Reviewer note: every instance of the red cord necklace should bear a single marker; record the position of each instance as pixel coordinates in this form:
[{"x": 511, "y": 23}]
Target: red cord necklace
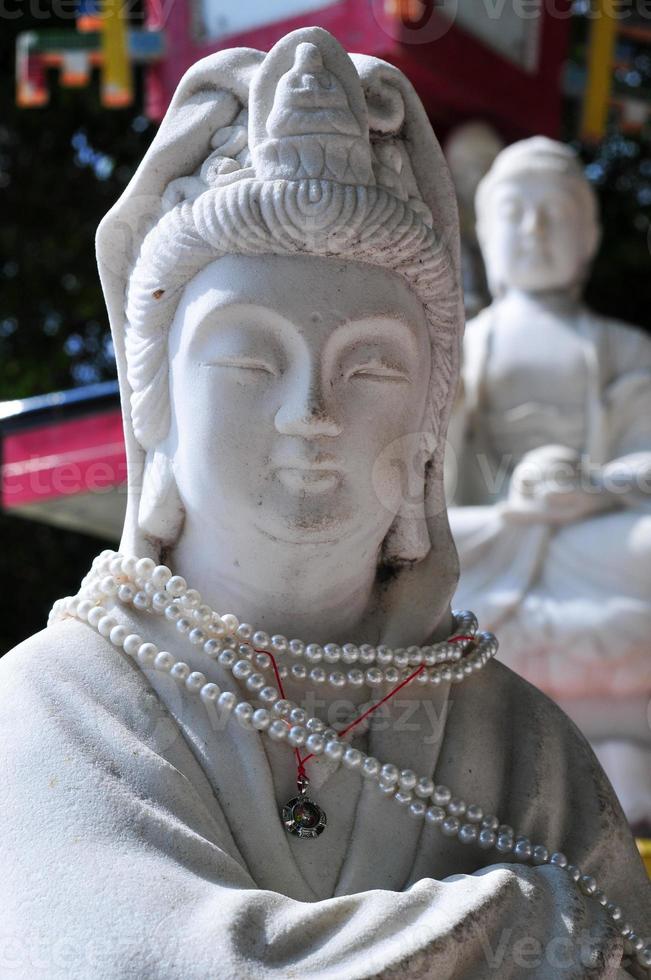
[{"x": 301, "y": 815}]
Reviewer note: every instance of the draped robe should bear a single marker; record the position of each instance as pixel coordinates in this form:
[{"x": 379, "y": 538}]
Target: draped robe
[{"x": 141, "y": 836}]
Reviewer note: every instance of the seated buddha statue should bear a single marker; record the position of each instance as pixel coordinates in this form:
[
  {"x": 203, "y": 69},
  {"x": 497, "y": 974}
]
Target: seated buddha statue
[
  {"x": 258, "y": 741},
  {"x": 554, "y": 537}
]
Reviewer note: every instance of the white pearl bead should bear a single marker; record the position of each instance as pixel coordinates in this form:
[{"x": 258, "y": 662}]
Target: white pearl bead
[
  {"x": 450, "y": 826},
  {"x": 298, "y": 716},
  {"x": 588, "y": 885},
  {"x": 243, "y": 713},
  {"x": 226, "y": 658},
  {"x": 282, "y": 707},
  {"x": 315, "y": 743},
  {"x": 392, "y": 675},
  {"x": 384, "y": 656},
  {"x": 129, "y": 566},
  {"x": 118, "y": 635},
  {"x": 417, "y": 809},
  {"x": 487, "y": 838},
  {"x": 195, "y": 681},
  {"x": 540, "y": 854},
  {"x": 255, "y": 682},
  {"x": 297, "y": 736},
  {"x": 474, "y": 813},
  {"x": 424, "y": 787},
  {"x": 353, "y": 758},
  {"x": 94, "y": 616},
  {"x": 374, "y": 677},
  {"x": 441, "y": 795},
  {"x": 468, "y": 833},
  {"x": 191, "y": 599},
  {"x": 279, "y": 643},
  {"x": 160, "y": 601},
  {"x": 147, "y": 653},
  {"x": 299, "y": 671},
  {"x": 261, "y": 640},
  {"x": 278, "y": 730},
  {"x": 356, "y": 677},
  {"x": 176, "y": 586},
  {"x": 558, "y": 859},
  {"x": 145, "y": 567},
  {"x": 161, "y": 576},
  {"x": 141, "y": 600},
  {"x": 173, "y": 611},
  {"x": 407, "y": 779},
  {"x": 226, "y": 701},
  {"x": 132, "y": 644},
  {"x": 83, "y": 609},
  {"x": 349, "y": 653},
  {"x": 212, "y": 648},
  {"x": 209, "y": 693},
  {"x": 337, "y": 679},
  {"x": 115, "y": 565},
  {"x": 180, "y": 671},
  {"x": 269, "y": 695},
  {"x": 105, "y": 625},
  {"x": 334, "y": 750},
  {"x": 523, "y": 849},
  {"x": 108, "y": 585},
  {"x": 126, "y": 593},
  {"x": 313, "y": 653},
  {"x": 371, "y": 767},
  {"x": 183, "y": 625},
  {"x": 244, "y": 631},
  {"x": 366, "y": 654},
  {"x": 196, "y": 637},
  {"x": 315, "y": 725},
  {"x": 296, "y": 648},
  {"x": 164, "y": 661},
  {"x": 403, "y": 798},
  {"x": 331, "y": 653},
  {"x": 242, "y": 669},
  {"x": 261, "y": 719},
  {"x": 389, "y": 774},
  {"x": 318, "y": 675},
  {"x": 216, "y": 626},
  {"x": 231, "y": 622},
  {"x": 435, "y": 815}
]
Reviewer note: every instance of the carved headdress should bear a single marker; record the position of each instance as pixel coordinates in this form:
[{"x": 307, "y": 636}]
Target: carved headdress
[{"x": 302, "y": 150}]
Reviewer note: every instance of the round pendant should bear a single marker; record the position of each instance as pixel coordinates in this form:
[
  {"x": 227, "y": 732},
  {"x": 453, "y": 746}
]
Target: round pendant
[{"x": 302, "y": 816}]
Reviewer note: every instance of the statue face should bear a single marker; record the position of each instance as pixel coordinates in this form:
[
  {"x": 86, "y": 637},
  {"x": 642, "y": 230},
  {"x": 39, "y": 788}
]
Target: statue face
[
  {"x": 534, "y": 233},
  {"x": 289, "y": 377}
]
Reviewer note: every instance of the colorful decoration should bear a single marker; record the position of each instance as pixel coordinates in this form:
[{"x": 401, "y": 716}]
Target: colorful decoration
[{"x": 102, "y": 40}]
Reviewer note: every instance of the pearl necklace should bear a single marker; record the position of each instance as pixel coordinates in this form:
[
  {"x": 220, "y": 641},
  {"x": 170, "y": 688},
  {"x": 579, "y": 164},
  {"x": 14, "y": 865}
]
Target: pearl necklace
[
  {"x": 153, "y": 588},
  {"x": 283, "y": 720}
]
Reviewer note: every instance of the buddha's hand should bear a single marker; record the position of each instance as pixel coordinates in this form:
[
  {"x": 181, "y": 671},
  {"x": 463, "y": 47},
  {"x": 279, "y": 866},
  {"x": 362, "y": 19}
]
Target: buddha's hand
[{"x": 552, "y": 485}]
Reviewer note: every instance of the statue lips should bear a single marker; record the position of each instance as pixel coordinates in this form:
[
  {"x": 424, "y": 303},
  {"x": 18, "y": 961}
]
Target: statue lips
[{"x": 303, "y": 476}]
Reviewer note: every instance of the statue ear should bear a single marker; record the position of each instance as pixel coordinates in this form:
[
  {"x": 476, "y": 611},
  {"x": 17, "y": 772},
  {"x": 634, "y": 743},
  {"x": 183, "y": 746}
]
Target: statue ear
[
  {"x": 160, "y": 514},
  {"x": 408, "y": 540}
]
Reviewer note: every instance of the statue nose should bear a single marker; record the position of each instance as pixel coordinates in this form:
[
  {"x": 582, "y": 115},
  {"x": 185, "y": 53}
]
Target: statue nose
[
  {"x": 533, "y": 222},
  {"x": 308, "y": 417}
]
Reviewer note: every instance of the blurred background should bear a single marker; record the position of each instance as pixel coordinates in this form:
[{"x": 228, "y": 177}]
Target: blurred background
[{"x": 83, "y": 87}]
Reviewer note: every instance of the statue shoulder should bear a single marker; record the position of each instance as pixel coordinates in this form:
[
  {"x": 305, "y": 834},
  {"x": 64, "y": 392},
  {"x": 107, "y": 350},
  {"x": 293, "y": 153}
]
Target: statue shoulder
[
  {"x": 59, "y": 684},
  {"x": 627, "y": 346}
]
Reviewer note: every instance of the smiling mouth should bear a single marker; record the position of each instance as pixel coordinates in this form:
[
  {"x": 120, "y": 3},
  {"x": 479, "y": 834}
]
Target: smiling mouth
[{"x": 301, "y": 479}]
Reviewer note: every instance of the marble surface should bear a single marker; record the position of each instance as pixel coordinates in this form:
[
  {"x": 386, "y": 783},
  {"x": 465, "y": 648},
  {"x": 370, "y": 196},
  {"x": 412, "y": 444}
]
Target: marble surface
[
  {"x": 282, "y": 278},
  {"x": 554, "y": 450}
]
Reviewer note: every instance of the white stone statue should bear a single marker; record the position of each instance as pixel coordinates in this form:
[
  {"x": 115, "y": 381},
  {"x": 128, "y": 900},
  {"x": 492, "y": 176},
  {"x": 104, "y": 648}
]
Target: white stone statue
[
  {"x": 181, "y": 799},
  {"x": 470, "y": 150},
  {"x": 555, "y": 543}
]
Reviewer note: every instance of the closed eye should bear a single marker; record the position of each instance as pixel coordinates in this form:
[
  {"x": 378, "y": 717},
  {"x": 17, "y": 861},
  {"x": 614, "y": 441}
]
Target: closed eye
[
  {"x": 243, "y": 364},
  {"x": 377, "y": 371}
]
